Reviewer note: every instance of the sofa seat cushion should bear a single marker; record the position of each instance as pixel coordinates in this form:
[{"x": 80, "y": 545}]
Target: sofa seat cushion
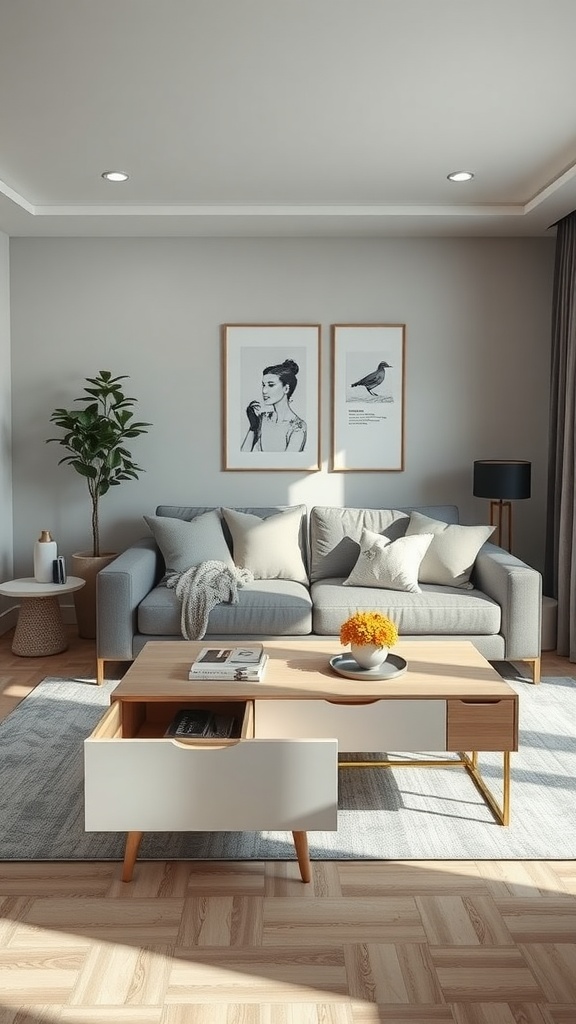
[
  {"x": 278, "y": 607},
  {"x": 436, "y": 610}
]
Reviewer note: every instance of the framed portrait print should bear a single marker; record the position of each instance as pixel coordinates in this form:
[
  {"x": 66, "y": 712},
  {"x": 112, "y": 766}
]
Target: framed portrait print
[
  {"x": 271, "y": 405},
  {"x": 368, "y": 362}
]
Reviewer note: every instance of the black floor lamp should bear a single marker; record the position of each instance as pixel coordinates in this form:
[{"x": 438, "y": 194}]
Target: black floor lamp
[{"x": 502, "y": 481}]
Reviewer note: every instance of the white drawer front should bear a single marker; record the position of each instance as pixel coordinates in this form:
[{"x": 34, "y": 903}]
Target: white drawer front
[
  {"x": 386, "y": 725},
  {"x": 162, "y": 785}
]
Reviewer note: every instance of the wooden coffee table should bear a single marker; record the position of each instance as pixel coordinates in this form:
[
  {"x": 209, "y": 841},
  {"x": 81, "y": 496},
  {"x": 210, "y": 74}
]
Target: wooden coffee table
[{"x": 281, "y": 770}]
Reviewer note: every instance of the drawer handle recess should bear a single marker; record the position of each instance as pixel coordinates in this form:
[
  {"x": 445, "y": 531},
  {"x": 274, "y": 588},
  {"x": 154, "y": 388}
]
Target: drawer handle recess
[{"x": 480, "y": 703}]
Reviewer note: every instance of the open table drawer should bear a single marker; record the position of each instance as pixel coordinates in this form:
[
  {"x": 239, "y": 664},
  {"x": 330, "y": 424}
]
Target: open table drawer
[{"x": 138, "y": 780}]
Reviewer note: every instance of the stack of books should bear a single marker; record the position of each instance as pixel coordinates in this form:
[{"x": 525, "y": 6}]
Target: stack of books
[{"x": 239, "y": 663}]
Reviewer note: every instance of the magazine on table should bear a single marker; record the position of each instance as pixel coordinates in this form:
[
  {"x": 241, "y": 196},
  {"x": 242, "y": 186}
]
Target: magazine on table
[{"x": 246, "y": 662}]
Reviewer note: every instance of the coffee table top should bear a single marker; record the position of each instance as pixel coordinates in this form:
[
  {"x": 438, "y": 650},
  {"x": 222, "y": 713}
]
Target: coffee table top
[{"x": 300, "y": 669}]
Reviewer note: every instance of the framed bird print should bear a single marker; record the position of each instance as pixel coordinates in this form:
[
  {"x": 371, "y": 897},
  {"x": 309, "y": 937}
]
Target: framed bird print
[{"x": 368, "y": 363}]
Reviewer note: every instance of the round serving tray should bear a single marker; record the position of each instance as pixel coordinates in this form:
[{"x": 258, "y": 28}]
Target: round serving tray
[{"x": 345, "y": 665}]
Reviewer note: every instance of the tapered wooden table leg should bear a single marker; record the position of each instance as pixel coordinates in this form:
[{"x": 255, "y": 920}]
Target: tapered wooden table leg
[
  {"x": 303, "y": 854},
  {"x": 133, "y": 840}
]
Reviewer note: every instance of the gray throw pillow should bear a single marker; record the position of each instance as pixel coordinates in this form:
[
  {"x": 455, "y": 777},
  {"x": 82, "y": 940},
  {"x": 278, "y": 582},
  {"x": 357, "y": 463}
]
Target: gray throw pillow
[
  {"x": 184, "y": 544},
  {"x": 450, "y": 558},
  {"x": 389, "y": 564}
]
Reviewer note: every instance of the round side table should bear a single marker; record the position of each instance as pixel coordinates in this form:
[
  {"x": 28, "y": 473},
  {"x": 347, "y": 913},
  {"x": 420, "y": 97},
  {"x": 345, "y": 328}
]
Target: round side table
[{"x": 39, "y": 629}]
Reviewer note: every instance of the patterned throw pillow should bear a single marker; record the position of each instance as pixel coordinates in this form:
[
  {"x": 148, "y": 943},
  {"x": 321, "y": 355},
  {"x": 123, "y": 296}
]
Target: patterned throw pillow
[{"x": 390, "y": 564}]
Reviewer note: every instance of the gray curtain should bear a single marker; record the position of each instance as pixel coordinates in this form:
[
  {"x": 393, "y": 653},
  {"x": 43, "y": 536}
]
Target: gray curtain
[{"x": 560, "y": 574}]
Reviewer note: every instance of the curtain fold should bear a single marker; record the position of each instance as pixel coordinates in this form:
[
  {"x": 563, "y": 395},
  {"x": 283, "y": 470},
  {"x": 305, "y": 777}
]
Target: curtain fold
[{"x": 560, "y": 563}]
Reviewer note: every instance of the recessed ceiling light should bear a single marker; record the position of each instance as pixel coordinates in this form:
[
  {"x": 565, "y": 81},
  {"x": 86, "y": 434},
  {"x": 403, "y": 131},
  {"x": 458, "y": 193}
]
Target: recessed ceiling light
[
  {"x": 460, "y": 176},
  {"x": 114, "y": 175}
]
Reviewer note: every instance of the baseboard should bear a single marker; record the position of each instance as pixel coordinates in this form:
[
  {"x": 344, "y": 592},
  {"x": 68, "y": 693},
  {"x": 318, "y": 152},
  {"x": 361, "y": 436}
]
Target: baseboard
[
  {"x": 8, "y": 619},
  {"x": 68, "y": 614}
]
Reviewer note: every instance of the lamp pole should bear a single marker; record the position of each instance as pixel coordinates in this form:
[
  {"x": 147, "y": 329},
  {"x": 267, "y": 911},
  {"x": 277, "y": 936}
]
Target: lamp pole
[{"x": 500, "y": 516}]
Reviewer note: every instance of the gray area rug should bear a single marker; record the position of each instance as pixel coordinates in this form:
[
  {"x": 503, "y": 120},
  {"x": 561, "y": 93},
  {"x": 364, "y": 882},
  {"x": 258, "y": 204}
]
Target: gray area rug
[{"x": 403, "y": 814}]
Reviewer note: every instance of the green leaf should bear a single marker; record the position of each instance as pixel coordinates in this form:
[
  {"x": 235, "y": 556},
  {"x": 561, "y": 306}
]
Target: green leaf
[{"x": 83, "y": 469}]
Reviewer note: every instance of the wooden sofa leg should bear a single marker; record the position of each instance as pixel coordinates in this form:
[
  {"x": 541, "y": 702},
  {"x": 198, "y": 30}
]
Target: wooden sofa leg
[
  {"x": 536, "y": 667},
  {"x": 99, "y": 671}
]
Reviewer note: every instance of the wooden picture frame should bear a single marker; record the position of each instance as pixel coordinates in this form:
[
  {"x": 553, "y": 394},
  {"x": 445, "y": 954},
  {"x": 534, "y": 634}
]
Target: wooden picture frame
[
  {"x": 368, "y": 397},
  {"x": 271, "y": 420}
]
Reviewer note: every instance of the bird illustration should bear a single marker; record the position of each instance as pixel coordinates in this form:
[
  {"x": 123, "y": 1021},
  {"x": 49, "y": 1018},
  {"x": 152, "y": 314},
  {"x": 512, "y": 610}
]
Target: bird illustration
[{"x": 372, "y": 380}]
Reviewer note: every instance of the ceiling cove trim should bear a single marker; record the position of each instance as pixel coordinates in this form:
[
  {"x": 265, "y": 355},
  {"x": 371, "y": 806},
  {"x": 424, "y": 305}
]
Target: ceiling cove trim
[
  {"x": 260, "y": 210},
  {"x": 549, "y": 190},
  {"x": 297, "y": 210},
  {"x": 17, "y": 198}
]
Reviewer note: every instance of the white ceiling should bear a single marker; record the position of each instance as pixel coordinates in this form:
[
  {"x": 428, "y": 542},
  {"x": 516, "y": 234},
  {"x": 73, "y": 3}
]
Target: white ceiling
[{"x": 287, "y": 117}]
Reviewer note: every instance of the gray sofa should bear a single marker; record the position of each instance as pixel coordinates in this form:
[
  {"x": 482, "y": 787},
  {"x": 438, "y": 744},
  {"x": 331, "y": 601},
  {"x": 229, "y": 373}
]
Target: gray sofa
[{"x": 499, "y": 610}]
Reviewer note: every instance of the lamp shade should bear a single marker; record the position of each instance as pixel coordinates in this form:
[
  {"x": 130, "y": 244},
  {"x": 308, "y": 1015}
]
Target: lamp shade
[{"x": 502, "y": 478}]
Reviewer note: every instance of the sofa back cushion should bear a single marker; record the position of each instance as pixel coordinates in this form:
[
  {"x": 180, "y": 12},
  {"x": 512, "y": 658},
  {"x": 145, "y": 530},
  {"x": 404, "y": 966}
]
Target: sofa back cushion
[
  {"x": 189, "y": 512},
  {"x": 335, "y": 533}
]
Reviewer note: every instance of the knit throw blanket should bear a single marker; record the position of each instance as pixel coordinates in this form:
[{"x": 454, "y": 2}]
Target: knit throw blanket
[{"x": 200, "y": 588}]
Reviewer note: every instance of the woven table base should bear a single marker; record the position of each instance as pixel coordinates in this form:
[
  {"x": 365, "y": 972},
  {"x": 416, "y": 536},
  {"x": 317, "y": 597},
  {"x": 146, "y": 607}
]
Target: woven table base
[{"x": 39, "y": 630}]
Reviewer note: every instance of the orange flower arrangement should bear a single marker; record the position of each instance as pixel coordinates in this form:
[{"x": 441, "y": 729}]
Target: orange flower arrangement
[{"x": 369, "y": 628}]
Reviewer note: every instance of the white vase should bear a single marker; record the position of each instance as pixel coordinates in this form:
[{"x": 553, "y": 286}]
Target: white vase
[
  {"x": 45, "y": 551},
  {"x": 368, "y": 655}
]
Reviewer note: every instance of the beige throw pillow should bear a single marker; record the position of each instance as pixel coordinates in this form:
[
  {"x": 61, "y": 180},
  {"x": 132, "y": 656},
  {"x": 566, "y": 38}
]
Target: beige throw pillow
[
  {"x": 184, "y": 544},
  {"x": 390, "y": 564},
  {"x": 270, "y": 547},
  {"x": 450, "y": 558}
]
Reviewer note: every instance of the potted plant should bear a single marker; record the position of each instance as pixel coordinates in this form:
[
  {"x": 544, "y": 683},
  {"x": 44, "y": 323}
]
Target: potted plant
[
  {"x": 370, "y": 635},
  {"x": 95, "y": 438}
]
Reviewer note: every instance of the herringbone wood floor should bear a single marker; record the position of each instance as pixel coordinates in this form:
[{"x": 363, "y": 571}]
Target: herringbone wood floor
[{"x": 410, "y": 942}]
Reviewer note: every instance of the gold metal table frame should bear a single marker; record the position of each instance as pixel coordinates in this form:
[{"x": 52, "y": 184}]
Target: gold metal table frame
[{"x": 501, "y": 811}]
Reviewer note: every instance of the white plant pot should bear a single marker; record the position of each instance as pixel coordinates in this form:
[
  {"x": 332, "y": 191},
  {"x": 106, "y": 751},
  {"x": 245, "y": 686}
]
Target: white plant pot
[{"x": 368, "y": 655}]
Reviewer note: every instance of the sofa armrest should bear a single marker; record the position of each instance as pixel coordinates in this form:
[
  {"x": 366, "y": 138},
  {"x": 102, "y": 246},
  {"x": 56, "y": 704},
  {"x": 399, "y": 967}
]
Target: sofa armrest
[
  {"x": 120, "y": 587},
  {"x": 517, "y": 588}
]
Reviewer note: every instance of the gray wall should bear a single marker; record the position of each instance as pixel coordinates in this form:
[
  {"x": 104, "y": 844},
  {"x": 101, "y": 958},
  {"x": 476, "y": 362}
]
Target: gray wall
[
  {"x": 477, "y": 367},
  {"x": 6, "y": 539}
]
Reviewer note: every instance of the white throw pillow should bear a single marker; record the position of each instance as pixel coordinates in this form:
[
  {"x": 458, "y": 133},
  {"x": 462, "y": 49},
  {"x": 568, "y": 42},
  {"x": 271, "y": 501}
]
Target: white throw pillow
[
  {"x": 269, "y": 547},
  {"x": 390, "y": 564},
  {"x": 184, "y": 544},
  {"x": 450, "y": 558}
]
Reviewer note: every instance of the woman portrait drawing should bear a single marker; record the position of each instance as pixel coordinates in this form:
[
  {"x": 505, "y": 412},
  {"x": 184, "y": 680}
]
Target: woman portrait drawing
[
  {"x": 271, "y": 400},
  {"x": 274, "y": 425}
]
